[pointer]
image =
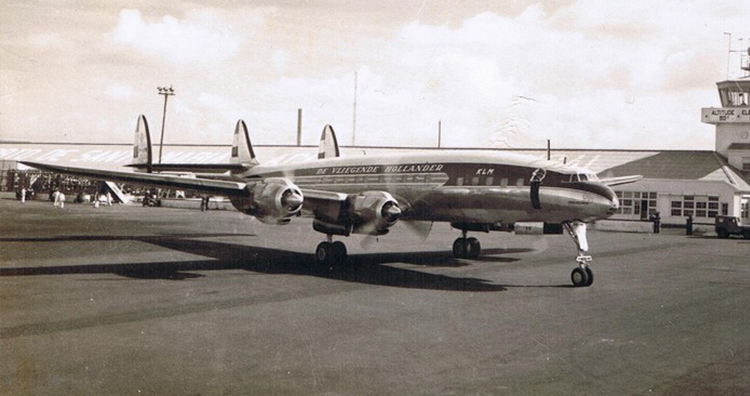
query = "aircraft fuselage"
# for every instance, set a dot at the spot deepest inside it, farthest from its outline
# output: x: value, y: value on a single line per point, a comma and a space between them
x: 460, y: 186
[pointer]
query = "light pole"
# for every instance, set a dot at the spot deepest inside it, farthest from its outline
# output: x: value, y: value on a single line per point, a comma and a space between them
x: 167, y: 92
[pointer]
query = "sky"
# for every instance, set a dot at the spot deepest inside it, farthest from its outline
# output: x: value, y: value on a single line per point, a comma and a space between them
x: 584, y: 74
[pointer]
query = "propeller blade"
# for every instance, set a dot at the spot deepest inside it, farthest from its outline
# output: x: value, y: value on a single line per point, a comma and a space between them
x: 367, y: 241
x: 420, y: 228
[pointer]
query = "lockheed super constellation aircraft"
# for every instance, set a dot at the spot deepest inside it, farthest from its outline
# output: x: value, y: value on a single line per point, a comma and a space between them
x: 474, y: 192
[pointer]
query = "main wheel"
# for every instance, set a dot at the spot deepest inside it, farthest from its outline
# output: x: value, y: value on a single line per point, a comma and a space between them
x: 337, y: 254
x: 323, y: 253
x: 459, y: 248
x: 473, y: 248
x: 579, y: 277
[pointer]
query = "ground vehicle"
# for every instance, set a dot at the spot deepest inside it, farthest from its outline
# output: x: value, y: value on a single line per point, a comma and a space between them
x: 729, y: 225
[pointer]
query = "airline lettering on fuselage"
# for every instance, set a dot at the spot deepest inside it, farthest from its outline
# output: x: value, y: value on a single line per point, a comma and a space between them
x: 349, y: 170
x: 413, y: 168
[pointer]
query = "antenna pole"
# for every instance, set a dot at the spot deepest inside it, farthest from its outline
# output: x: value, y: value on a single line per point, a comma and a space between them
x: 299, y: 127
x: 440, y: 133
x: 729, y: 51
x: 354, y: 115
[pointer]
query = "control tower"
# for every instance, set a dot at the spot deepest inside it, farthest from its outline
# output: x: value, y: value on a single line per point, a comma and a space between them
x: 732, y: 119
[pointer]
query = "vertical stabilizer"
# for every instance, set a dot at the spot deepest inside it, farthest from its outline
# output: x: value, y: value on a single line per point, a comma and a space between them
x: 242, y: 149
x: 142, y: 146
x: 329, y: 146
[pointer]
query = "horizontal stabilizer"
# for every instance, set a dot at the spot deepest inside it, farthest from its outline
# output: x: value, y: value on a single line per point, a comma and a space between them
x: 616, y: 181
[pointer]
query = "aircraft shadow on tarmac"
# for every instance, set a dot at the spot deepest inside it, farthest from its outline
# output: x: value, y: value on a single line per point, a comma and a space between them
x: 360, y: 268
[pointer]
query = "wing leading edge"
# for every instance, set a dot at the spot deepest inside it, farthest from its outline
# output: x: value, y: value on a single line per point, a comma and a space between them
x: 217, y: 187
x: 616, y: 181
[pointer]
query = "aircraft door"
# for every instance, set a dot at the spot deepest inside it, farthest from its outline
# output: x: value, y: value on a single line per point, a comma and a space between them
x: 536, y: 184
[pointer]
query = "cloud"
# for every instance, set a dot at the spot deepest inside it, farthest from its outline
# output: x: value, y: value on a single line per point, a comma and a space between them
x: 280, y: 59
x: 45, y: 40
x: 199, y: 39
x: 119, y: 92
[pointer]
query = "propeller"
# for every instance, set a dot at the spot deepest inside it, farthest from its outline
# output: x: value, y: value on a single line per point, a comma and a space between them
x: 291, y: 201
x: 421, y: 229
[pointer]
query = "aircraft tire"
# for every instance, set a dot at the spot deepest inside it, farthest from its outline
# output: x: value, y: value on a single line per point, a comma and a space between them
x: 337, y: 254
x: 590, y: 276
x: 473, y: 248
x: 323, y: 253
x: 579, y: 277
x: 459, y: 248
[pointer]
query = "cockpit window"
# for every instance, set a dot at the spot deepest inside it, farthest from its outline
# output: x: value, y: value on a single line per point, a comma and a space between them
x: 582, y: 177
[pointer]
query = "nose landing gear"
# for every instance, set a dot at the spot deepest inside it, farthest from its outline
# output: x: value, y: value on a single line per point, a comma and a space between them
x: 582, y: 276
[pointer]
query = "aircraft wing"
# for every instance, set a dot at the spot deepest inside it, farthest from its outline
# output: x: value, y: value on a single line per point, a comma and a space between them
x: 191, y: 168
x: 616, y: 181
x: 216, y: 187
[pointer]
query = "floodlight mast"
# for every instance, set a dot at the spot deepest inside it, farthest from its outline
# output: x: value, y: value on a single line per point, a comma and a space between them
x: 167, y: 92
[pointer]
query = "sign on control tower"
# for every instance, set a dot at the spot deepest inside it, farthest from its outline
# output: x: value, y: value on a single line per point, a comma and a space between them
x: 732, y: 119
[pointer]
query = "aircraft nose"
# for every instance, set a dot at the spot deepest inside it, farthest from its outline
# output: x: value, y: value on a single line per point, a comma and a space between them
x: 614, y: 202
x: 614, y: 206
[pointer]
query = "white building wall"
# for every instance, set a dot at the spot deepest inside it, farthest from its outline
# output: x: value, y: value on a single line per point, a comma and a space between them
x: 675, y: 190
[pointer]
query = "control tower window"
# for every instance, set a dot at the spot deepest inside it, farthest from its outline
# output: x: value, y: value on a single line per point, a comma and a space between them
x: 734, y: 97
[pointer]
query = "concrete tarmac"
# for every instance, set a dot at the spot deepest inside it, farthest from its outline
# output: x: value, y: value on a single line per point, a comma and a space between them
x: 127, y: 300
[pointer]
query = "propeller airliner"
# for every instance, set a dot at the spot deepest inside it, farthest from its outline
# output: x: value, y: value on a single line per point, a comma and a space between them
x: 474, y: 192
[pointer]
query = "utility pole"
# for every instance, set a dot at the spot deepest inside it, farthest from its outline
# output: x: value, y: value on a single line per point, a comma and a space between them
x: 299, y: 127
x: 354, y: 116
x: 440, y: 133
x: 167, y: 92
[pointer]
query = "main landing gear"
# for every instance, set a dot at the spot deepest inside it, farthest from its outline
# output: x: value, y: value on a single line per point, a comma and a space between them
x: 582, y: 275
x: 330, y: 254
x: 466, y: 247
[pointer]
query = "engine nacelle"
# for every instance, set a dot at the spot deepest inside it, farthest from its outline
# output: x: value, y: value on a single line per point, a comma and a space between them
x: 373, y: 212
x: 272, y: 201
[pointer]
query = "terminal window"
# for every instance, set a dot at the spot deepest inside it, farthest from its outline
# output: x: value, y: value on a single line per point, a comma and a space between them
x: 698, y: 206
x: 637, y: 202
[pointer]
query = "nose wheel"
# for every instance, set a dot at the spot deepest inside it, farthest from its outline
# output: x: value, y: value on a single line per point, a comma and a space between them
x: 582, y: 276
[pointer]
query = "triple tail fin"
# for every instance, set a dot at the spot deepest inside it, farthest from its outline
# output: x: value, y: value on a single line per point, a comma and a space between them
x: 329, y: 146
x: 242, y: 149
x: 142, y: 155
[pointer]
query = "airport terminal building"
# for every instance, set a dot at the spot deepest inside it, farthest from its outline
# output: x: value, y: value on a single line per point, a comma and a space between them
x: 676, y: 183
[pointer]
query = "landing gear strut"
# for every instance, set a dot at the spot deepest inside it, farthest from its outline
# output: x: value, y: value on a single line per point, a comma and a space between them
x: 466, y: 247
x: 582, y: 275
x: 330, y: 254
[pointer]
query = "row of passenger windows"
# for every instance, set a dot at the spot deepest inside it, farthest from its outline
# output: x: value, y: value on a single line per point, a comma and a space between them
x: 488, y: 181
x: 372, y: 179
